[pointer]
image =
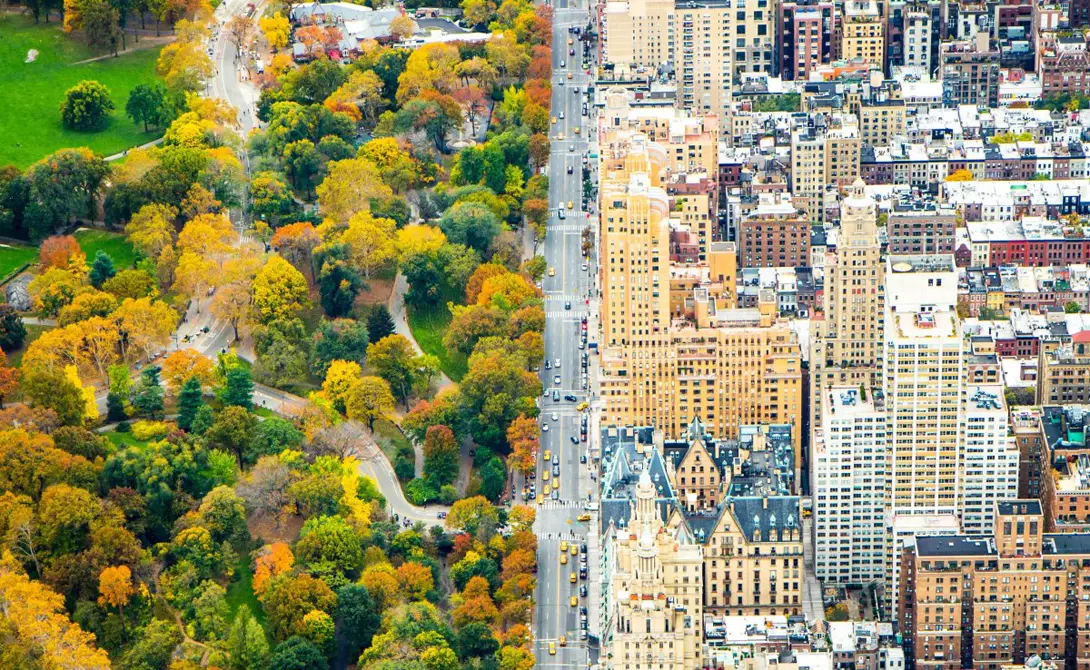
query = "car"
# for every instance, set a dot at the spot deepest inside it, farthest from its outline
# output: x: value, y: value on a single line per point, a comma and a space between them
x: 560, y: 136
x: 582, y: 345
x: 563, y: 63
x: 555, y: 417
x: 574, y: 439
x: 570, y: 170
x: 583, y: 548
x: 563, y: 559
x: 563, y: 545
x: 556, y: 380
x: 556, y: 395
x: 548, y: 364
x: 582, y: 457
x: 556, y: 494
x: 583, y: 634
x: 560, y: 213
x: 569, y: 75
x: 544, y: 427
x: 582, y: 612
x: 553, y: 120
x: 573, y: 601
x: 572, y: 578
x: 574, y: 549
x: 567, y: 304
x: 547, y: 456
x: 585, y: 267
x: 560, y: 81
x: 571, y: 205
x: 556, y: 459
x: 570, y: 397
x: 571, y: 41
x: 581, y: 406
x: 552, y: 272
x: 556, y: 472
x: 552, y: 649
x: 441, y: 515
x: 582, y: 590
x: 571, y: 52
x: 556, y: 363
x: 563, y: 640
x: 583, y: 517
x: 561, y: 114
x: 576, y: 131
x: 544, y: 475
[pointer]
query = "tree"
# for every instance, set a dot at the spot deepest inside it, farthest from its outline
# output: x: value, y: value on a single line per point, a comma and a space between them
x: 475, y: 640
x: 151, y: 229
x: 288, y: 598
x: 147, y: 104
x: 9, y: 378
x: 115, y: 587
x: 379, y: 323
x: 349, y: 188
x: 1072, y: 308
x: 62, y: 252
x: 960, y: 175
x: 240, y: 29
x: 296, y: 243
x: 357, y: 620
x: 12, y: 330
x: 523, y: 436
x: 148, y: 394
x: 246, y: 643
x: 185, y: 364
x: 370, y: 241
x: 280, y: 291
x: 276, y: 29
x: 297, y: 653
x: 469, y: 514
x: 62, y: 186
x: 190, y: 400
x: 340, y: 377
x: 146, y: 325
x: 441, y: 452
x: 339, y: 339
x: 86, y: 106
x: 101, y: 269
x: 369, y: 399
x: 270, y: 561
x: 232, y: 429
x: 238, y: 388
x: 471, y: 224
x: 328, y: 546
x: 395, y: 360
x: 154, y: 646
x: 270, y: 197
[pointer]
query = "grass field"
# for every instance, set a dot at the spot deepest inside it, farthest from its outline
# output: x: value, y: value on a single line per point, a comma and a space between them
x: 30, y: 93
x: 11, y: 258
x: 428, y: 328
x: 114, y: 244
x: 240, y: 590
x: 390, y: 439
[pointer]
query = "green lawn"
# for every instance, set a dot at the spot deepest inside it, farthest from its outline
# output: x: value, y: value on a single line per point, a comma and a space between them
x: 428, y: 328
x: 11, y: 258
x: 32, y: 333
x: 30, y: 93
x: 114, y: 244
x: 390, y: 439
x: 122, y: 440
x: 240, y: 591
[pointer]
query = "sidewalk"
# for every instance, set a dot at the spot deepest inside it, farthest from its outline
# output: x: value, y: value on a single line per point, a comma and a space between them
x: 396, y: 305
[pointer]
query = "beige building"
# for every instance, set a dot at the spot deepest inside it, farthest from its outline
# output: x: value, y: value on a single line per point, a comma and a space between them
x: 727, y: 367
x: 1063, y: 371
x: 825, y: 154
x: 846, y: 342
x: 862, y: 35
x: 691, y: 141
x: 657, y: 589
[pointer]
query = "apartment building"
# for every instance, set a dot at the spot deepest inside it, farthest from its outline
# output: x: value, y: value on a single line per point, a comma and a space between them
x: 993, y: 601
x: 657, y: 589
x: 775, y: 234
x: 728, y: 367
x: 824, y: 154
x: 922, y: 227
x: 863, y: 33
x: 881, y: 111
x: 917, y: 43
x: 1063, y: 371
x: 846, y: 342
x: 1033, y: 457
x: 969, y: 71
x: 1063, y: 63
x: 989, y: 461
x: 850, y: 468
x: 804, y: 38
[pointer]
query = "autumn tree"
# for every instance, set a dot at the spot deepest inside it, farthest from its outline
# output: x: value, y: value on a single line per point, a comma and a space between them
x: 184, y: 364
x: 441, y: 452
x: 146, y: 325
x: 396, y: 361
x: 279, y: 291
x: 349, y: 188
x: 115, y: 587
x: 469, y: 514
x: 276, y: 30
x: 296, y: 243
x: 370, y: 241
x: 524, y: 439
x: 368, y: 400
x: 62, y: 251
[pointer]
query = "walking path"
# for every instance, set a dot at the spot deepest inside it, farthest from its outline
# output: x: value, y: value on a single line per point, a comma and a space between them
x: 396, y: 305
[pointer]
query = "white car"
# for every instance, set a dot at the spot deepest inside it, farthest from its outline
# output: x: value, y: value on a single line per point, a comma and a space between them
x: 544, y: 427
x: 556, y: 364
x: 584, y: 267
x: 556, y: 380
x: 556, y: 417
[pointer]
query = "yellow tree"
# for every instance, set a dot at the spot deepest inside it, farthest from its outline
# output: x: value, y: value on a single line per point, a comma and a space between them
x: 101, y: 340
x: 960, y: 175
x: 184, y: 66
x: 370, y: 242
x: 90, y: 407
x: 349, y: 188
x: 233, y: 300
x: 368, y: 400
x: 360, y: 96
x: 37, y: 625
x: 419, y: 238
x: 151, y: 229
x: 402, y: 26
x: 271, y: 560
x: 55, y: 349
x: 147, y: 325
x: 207, y: 235
x: 276, y: 30
x: 339, y: 380
x: 115, y: 587
x: 279, y: 291
x: 194, y: 276
x: 429, y: 68
x: 182, y: 364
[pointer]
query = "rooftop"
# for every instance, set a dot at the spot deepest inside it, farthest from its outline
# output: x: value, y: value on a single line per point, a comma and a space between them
x: 946, y: 546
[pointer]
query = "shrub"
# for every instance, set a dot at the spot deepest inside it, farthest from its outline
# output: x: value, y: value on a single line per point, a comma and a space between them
x: 149, y: 430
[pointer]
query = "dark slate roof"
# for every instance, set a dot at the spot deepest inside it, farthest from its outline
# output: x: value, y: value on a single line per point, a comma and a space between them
x: 769, y: 471
x: 1067, y: 543
x: 621, y: 467
x: 1020, y: 506
x: 940, y: 546
x: 702, y: 524
x: 780, y: 512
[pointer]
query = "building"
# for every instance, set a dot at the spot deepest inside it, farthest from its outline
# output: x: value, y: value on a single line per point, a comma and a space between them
x: 918, y: 41
x: 881, y: 112
x: 923, y: 377
x: 1063, y: 63
x: 992, y: 601
x: 846, y: 342
x: 989, y: 462
x: 805, y: 38
x: 824, y: 154
x: 862, y: 33
x: 969, y: 71
x: 656, y: 581
x: 850, y: 468
x: 775, y: 234
x: 1032, y: 451
x: 655, y: 369
x: 1063, y: 372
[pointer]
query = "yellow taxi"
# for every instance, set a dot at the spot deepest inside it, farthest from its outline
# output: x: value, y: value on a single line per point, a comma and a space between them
x: 548, y: 455
x: 552, y: 273
x: 574, y: 601
x: 571, y: 205
x: 581, y: 406
x: 569, y: 75
x: 554, y: 119
x: 563, y: 559
x: 546, y: 490
x: 563, y: 545
x: 576, y: 131
x: 560, y: 136
x: 570, y: 41
x: 544, y: 475
x: 563, y: 640
x: 552, y: 649
x: 574, y: 549
x: 584, y: 517
x: 572, y: 578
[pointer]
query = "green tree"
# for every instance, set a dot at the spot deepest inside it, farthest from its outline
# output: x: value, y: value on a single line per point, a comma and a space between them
x: 395, y: 360
x: 147, y: 104
x: 379, y: 323
x: 471, y: 224
x: 1072, y: 307
x: 329, y: 547
x: 190, y: 400
x: 238, y: 388
x: 86, y: 106
x: 272, y: 436
x: 53, y: 389
x: 12, y: 330
x: 233, y: 429
x: 357, y: 620
x: 289, y: 597
x: 224, y: 514
x: 154, y: 646
x: 246, y: 642
x: 147, y: 396
x: 102, y: 268
x: 475, y: 640
x: 339, y: 339
x: 210, y: 611
x: 441, y: 453
x: 296, y: 653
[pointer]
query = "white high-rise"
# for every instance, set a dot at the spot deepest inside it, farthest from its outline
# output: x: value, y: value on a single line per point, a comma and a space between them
x: 989, y: 469
x: 850, y: 478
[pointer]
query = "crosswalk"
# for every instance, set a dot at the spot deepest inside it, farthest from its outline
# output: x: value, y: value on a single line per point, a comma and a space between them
x: 561, y: 313
x: 567, y: 228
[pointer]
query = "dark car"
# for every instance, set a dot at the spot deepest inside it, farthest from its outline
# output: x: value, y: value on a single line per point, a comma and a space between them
x: 570, y: 397
x: 574, y: 440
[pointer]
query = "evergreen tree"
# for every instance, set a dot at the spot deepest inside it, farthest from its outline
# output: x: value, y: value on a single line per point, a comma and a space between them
x: 246, y: 642
x: 379, y: 323
x: 202, y: 421
x: 148, y: 395
x: 102, y: 268
x: 190, y: 402
x: 238, y: 388
x: 115, y: 407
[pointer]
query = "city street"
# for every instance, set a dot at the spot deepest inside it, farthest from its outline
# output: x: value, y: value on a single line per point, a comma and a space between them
x: 567, y: 285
